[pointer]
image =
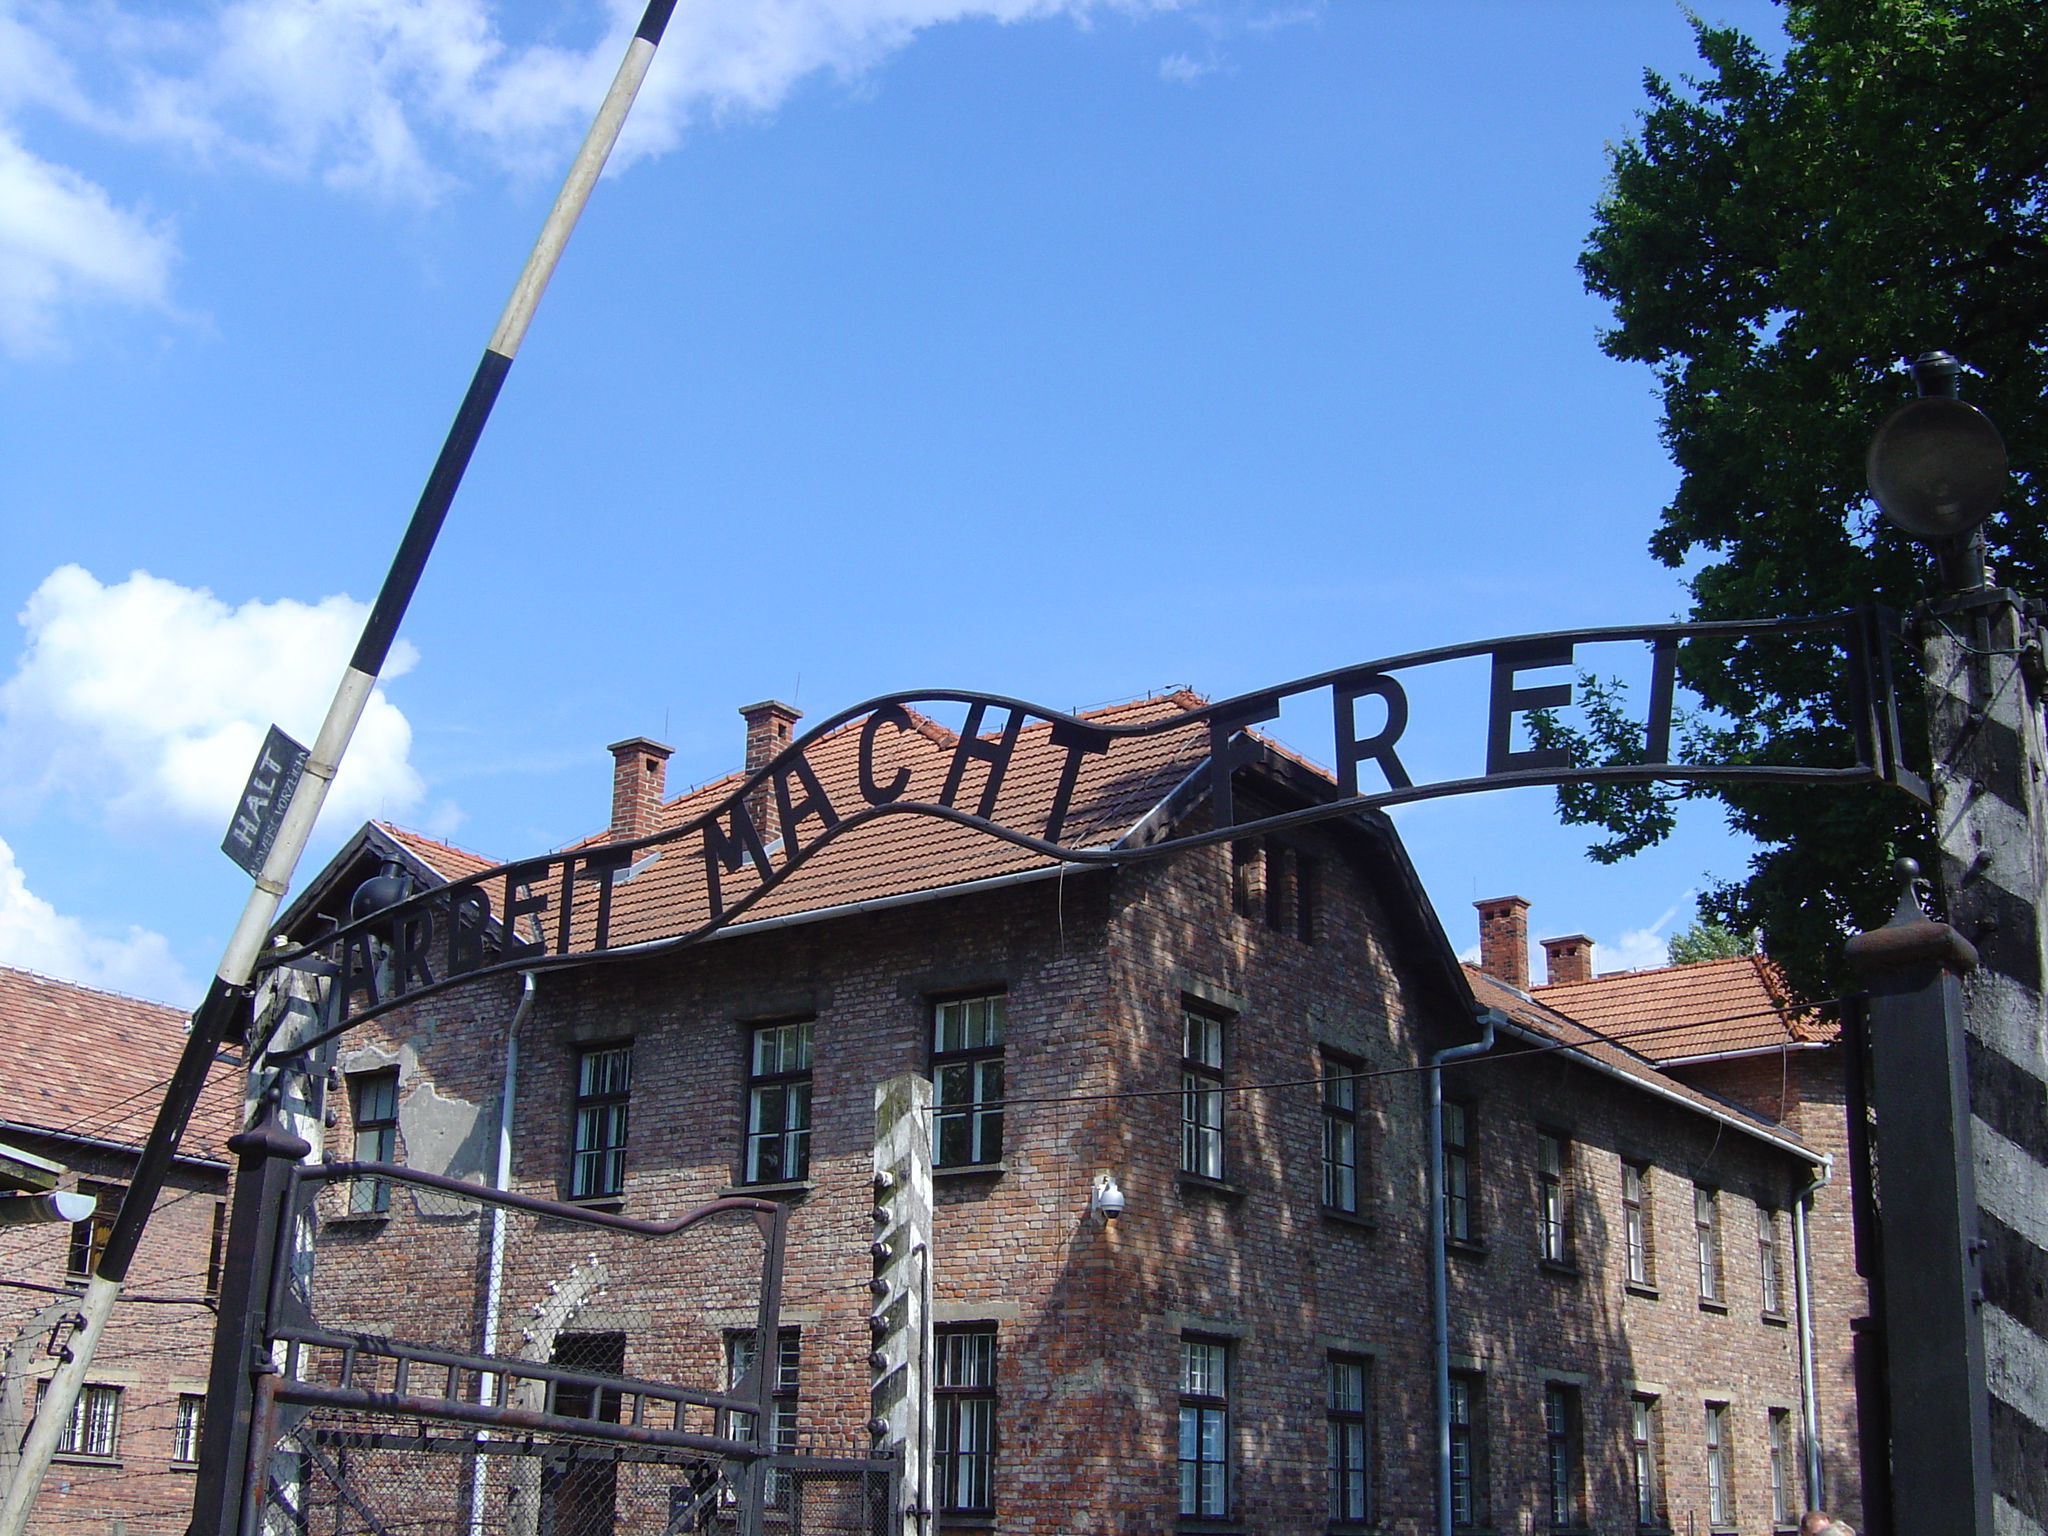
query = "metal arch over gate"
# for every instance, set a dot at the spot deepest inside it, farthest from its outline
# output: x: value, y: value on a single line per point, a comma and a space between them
x: 535, y: 914
x: 318, y: 1428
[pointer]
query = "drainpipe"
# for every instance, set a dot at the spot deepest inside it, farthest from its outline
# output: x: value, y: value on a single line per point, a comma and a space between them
x: 1809, y: 1410
x: 494, y: 1278
x: 1439, y: 1283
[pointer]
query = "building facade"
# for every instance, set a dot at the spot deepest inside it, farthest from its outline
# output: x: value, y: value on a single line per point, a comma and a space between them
x: 81, y: 1074
x: 1238, y: 1037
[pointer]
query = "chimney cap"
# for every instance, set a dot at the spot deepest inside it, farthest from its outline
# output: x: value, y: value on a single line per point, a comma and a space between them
x: 1566, y: 938
x: 1500, y: 903
x: 772, y: 707
x: 645, y: 744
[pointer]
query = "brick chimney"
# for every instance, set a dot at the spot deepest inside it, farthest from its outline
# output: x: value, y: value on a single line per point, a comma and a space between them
x: 1567, y: 960
x: 1504, y: 939
x: 639, y: 775
x: 769, y: 726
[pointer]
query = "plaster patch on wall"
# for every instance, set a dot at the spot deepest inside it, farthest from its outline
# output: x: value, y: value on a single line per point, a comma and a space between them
x: 445, y: 1135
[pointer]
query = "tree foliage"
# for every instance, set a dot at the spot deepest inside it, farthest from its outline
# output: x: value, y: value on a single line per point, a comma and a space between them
x: 1774, y: 239
x: 1705, y: 939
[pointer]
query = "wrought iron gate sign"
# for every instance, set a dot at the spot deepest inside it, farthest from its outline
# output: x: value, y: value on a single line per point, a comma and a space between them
x: 559, y: 909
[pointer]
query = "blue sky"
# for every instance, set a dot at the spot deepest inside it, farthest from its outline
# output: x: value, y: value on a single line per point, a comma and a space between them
x: 1069, y: 350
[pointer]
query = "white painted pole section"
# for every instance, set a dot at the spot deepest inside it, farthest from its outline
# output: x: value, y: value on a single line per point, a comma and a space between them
x: 583, y: 174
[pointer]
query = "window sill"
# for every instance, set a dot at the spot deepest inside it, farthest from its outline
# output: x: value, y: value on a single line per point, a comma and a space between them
x: 73, y: 1459
x: 1362, y: 1223
x: 1647, y: 1292
x: 357, y: 1219
x: 1192, y: 1523
x: 969, y: 1170
x: 1718, y: 1307
x: 596, y: 1202
x: 1775, y: 1319
x: 1465, y: 1247
x: 184, y: 1466
x: 967, y: 1522
x: 1223, y: 1189
x: 795, y: 1189
x: 1561, y: 1269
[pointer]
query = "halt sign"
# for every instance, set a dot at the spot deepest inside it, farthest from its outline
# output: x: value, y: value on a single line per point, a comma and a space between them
x: 260, y: 811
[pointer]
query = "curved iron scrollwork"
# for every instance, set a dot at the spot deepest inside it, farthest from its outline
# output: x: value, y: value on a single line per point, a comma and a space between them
x: 542, y: 913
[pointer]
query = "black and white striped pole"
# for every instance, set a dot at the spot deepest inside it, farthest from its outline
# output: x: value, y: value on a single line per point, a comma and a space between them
x: 301, y: 790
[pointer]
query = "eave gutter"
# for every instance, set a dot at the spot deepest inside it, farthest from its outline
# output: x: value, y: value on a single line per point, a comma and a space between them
x: 101, y: 1144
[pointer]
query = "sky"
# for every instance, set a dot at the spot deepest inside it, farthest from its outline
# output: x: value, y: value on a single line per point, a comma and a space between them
x: 1072, y: 349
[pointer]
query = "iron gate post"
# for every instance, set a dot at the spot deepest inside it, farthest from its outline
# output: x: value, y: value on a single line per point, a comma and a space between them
x: 1937, y: 1470
x: 266, y: 1155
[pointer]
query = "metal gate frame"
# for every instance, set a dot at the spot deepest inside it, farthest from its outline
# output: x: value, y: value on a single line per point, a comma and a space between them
x: 267, y: 1331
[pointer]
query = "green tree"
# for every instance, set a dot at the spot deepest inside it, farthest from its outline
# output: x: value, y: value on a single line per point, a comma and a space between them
x: 1774, y: 239
x: 1705, y: 939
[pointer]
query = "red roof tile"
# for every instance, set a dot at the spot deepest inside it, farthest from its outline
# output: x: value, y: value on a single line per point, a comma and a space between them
x: 1539, y: 1017
x: 1684, y: 1012
x: 95, y: 1064
x: 445, y: 859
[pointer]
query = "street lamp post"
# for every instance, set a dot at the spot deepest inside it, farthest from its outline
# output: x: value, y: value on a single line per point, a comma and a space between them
x: 1960, y: 1138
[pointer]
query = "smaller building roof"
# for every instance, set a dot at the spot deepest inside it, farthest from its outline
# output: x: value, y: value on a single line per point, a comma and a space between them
x: 1540, y: 1018
x: 92, y: 1066
x: 1696, y: 1012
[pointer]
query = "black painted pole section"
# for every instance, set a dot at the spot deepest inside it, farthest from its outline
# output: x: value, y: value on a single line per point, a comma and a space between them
x: 1932, y: 1279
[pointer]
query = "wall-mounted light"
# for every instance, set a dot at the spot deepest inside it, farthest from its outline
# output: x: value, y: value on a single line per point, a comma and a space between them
x: 1106, y: 1199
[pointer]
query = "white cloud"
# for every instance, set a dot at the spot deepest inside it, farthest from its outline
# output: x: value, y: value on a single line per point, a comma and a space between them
x: 35, y: 936
x: 64, y: 241
x: 1640, y: 949
x: 145, y: 701
x: 1183, y: 69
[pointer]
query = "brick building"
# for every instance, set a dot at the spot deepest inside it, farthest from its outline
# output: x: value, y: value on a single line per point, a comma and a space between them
x: 1238, y: 1036
x: 81, y: 1074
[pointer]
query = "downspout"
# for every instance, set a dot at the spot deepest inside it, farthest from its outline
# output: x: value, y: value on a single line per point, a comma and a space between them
x: 494, y: 1274
x: 1809, y: 1410
x: 1439, y: 1283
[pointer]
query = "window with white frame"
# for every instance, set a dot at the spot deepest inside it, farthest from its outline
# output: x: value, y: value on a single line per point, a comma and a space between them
x: 965, y: 1393
x: 1706, y: 1227
x: 604, y: 1087
x: 1784, y: 1503
x: 1349, y: 1419
x: 1720, y: 1469
x: 1201, y: 1094
x: 373, y: 1108
x: 1563, y: 1454
x: 1461, y: 1186
x: 1205, y: 1428
x: 1635, y: 1223
x: 1770, y: 1261
x: 1468, y: 1450
x: 1553, y: 1215
x: 1340, y: 1132
x: 967, y: 1080
x: 185, y: 1431
x: 1644, y: 1470
x: 778, y: 1102
x: 782, y: 1430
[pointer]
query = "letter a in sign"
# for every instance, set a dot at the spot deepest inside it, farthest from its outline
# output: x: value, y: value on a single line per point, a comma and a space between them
x: 260, y: 811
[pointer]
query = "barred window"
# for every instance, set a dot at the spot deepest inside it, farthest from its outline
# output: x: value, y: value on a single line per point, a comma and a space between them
x: 1643, y: 1462
x: 1784, y: 1510
x: 1201, y: 1094
x: 967, y: 1080
x: 1720, y: 1469
x: 1349, y: 1418
x: 965, y: 1388
x: 1563, y: 1452
x: 779, y: 1103
x: 1770, y: 1260
x: 604, y: 1086
x: 1340, y: 1132
x: 1204, y: 1428
x: 190, y: 1422
x: 95, y: 1425
x: 1706, y: 1226
x: 1468, y: 1450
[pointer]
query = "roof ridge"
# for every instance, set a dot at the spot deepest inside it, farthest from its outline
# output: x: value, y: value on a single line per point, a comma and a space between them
x: 79, y: 986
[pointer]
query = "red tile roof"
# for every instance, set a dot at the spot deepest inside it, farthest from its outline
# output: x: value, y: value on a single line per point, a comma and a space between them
x: 95, y: 1064
x: 1538, y: 1017
x: 445, y: 859
x: 902, y: 854
x: 1685, y: 1012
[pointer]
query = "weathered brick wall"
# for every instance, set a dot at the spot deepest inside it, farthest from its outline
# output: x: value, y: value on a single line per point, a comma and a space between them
x: 153, y: 1351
